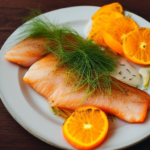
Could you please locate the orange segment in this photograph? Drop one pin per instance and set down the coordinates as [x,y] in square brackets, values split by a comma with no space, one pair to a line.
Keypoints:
[104,19]
[86,128]
[112,43]
[136,46]
[113,7]
[99,24]
[97,36]
[116,31]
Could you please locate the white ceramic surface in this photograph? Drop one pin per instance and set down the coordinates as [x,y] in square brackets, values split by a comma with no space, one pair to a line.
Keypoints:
[32,111]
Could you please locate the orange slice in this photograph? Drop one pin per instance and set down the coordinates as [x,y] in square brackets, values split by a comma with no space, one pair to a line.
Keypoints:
[99,24]
[136,46]
[116,32]
[104,19]
[109,8]
[86,128]
[97,36]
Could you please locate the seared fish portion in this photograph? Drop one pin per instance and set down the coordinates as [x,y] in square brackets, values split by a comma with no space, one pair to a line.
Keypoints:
[50,81]
[26,52]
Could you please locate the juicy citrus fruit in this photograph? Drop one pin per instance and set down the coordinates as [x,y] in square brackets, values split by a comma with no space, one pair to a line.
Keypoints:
[110,8]
[96,35]
[136,46]
[99,24]
[116,32]
[86,128]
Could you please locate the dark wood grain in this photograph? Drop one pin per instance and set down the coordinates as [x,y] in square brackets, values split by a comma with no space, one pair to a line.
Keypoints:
[12,135]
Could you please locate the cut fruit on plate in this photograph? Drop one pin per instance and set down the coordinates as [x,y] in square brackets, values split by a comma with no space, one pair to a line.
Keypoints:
[104,19]
[110,8]
[99,24]
[117,31]
[86,128]
[136,46]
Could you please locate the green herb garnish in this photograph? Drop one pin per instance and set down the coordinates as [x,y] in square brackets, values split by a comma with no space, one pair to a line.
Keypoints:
[54,111]
[33,12]
[128,16]
[85,61]
[59,112]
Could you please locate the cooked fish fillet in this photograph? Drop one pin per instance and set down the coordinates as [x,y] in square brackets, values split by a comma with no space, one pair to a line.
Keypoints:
[50,81]
[26,52]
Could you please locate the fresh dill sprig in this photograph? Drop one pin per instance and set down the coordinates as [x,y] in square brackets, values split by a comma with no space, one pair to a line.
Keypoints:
[128,16]
[41,27]
[54,111]
[86,62]
[90,66]
[33,12]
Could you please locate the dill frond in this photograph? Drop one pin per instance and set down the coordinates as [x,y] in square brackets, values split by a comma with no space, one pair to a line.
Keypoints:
[41,27]
[33,12]
[87,62]
[128,16]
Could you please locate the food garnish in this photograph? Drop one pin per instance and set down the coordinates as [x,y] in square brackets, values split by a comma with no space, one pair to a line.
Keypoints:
[64,113]
[86,128]
[122,34]
[108,9]
[116,31]
[128,16]
[98,26]
[136,46]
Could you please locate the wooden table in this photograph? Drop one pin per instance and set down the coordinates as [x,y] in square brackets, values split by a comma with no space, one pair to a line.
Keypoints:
[12,135]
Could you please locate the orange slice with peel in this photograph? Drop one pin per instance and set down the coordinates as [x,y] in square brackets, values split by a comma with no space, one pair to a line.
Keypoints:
[97,36]
[109,8]
[116,31]
[99,24]
[106,18]
[86,128]
[136,46]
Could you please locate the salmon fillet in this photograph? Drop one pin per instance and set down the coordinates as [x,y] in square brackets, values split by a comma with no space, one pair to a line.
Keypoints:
[26,52]
[50,81]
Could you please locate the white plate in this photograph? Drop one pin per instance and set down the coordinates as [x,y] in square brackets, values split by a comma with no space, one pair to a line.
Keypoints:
[31,110]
